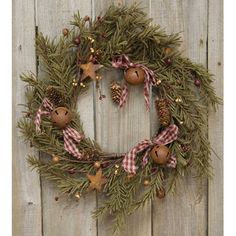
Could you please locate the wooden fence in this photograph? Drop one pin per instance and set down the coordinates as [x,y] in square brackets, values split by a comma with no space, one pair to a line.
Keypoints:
[35,212]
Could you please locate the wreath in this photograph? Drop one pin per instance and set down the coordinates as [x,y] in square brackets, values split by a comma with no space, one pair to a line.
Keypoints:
[122,39]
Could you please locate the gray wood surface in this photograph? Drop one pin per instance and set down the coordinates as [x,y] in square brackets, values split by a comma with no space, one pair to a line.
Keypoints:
[181,213]
[62,217]
[215,65]
[26,197]
[118,132]
[35,212]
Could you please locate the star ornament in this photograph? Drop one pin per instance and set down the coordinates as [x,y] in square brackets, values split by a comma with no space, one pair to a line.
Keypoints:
[96,181]
[89,70]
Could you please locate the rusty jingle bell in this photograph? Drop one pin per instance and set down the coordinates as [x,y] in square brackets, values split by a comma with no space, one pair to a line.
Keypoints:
[160,154]
[135,75]
[61,117]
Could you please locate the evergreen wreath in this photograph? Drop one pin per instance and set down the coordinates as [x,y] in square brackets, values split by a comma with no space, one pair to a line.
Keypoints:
[122,38]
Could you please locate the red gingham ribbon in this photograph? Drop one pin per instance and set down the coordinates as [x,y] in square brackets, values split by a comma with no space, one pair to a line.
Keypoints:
[71,136]
[124,95]
[124,62]
[165,137]
[45,109]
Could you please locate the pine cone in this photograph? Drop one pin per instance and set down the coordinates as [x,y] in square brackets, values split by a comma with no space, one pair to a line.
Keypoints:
[116,91]
[55,96]
[162,107]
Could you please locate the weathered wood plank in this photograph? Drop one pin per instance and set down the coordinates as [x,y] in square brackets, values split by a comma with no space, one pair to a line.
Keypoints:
[182,214]
[215,65]
[119,130]
[26,198]
[62,217]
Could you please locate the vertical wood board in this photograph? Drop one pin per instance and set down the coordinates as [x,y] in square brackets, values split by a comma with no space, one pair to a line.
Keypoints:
[26,199]
[215,65]
[62,217]
[181,213]
[118,130]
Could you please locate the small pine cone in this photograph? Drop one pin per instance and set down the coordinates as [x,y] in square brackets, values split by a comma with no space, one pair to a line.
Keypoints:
[116,91]
[55,96]
[162,107]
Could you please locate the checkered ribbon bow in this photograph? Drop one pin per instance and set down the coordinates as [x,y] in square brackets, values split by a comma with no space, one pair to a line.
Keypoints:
[165,137]
[124,62]
[71,136]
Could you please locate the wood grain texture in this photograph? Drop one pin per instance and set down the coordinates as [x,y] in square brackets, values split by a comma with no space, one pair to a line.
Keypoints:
[62,217]
[26,198]
[119,130]
[215,65]
[182,213]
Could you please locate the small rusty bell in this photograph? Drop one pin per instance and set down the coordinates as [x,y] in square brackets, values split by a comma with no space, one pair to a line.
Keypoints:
[135,76]
[160,154]
[61,117]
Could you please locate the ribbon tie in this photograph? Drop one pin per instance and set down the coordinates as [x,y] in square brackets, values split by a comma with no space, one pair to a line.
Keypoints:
[45,109]
[124,62]
[165,137]
[71,136]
